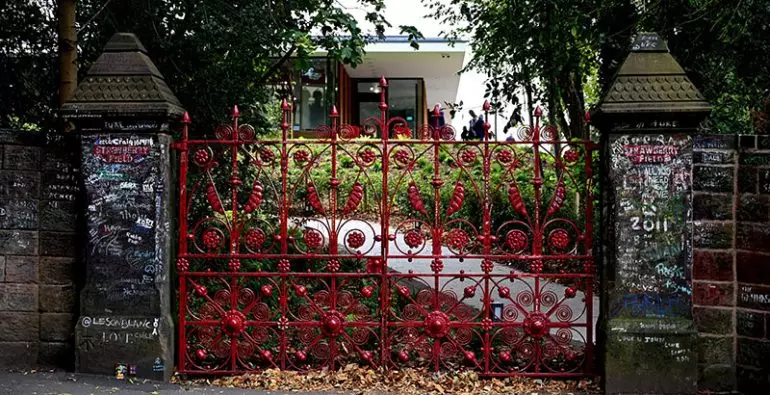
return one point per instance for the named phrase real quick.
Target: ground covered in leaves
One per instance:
(354, 379)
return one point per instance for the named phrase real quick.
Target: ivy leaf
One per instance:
(413, 35)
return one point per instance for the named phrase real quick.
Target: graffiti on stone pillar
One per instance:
(652, 207)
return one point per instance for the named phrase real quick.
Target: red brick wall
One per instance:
(731, 261)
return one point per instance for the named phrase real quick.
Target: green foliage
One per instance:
(722, 45)
(500, 178)
(544, 50)
(564, 53)
(28, 65)
(213, 53)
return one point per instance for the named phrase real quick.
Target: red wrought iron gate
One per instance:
(408, 251)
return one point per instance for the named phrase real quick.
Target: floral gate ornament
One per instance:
(387, 252)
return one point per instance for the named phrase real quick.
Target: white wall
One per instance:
(413, 12)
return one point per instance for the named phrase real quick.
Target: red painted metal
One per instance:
(425, 252)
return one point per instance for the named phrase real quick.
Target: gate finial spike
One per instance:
(588, 117)
(284, 104)
(436, 111)
(487, 106)
(538, 112)
(186, 118)
(335, 113)
(236, 112)
(383, 82)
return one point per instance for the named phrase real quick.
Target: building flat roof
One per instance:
(405, 39)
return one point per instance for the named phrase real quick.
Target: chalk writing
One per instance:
(755, 159)
(649, 225)
(714, 142)
(136, 126)
(757, 297)
(649, 153)
(18, 214)
(713, 157)
(127, 141)
(673, 348)
(652, 180)
(121, 323)
(122, 178)
(656, 326)
(648, 42)
(121, 153)
(127, 337)
(642, 305)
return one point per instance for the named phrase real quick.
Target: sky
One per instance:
(412, 12)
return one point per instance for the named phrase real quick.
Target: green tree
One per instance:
(214, 53)
(564, 53)
(544, 50)
(722, 44)
(28, 67)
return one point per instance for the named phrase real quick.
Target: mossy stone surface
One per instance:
(651, 356)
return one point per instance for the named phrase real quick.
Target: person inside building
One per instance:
(476, 125)
(466, 134)
(317, 110)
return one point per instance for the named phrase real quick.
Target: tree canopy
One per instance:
(213, 53)
(563, 53)
(557, 53)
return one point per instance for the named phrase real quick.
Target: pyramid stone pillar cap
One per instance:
(650, 81)
(123, 83)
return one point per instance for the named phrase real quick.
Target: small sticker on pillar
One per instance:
(120, 371)
(158, 366)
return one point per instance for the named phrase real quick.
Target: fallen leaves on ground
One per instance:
(353, 378)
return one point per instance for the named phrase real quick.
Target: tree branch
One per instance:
(277, 65)
(96, 14)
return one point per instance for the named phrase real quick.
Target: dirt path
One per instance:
(576, 306)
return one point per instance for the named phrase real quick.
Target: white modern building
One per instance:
(418, 79)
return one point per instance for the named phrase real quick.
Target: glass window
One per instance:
(369, 87)
(368, 93)
(311, 91)
(404, 99)
(403, 96)
(313, 106)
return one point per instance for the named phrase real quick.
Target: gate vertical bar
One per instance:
(234, 183)
(589, 267)
(333, 247)
(487, 232)
(385, 227)
(537, 239)
(436, 234)
(183, 241)
(284, 219)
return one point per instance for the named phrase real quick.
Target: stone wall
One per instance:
(38, 190)
(731, 261)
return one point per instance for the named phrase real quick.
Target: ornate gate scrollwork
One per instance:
(413, 250)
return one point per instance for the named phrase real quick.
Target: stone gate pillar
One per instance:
(122, 110)
(647, 119)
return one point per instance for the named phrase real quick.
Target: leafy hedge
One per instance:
(415, 166)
